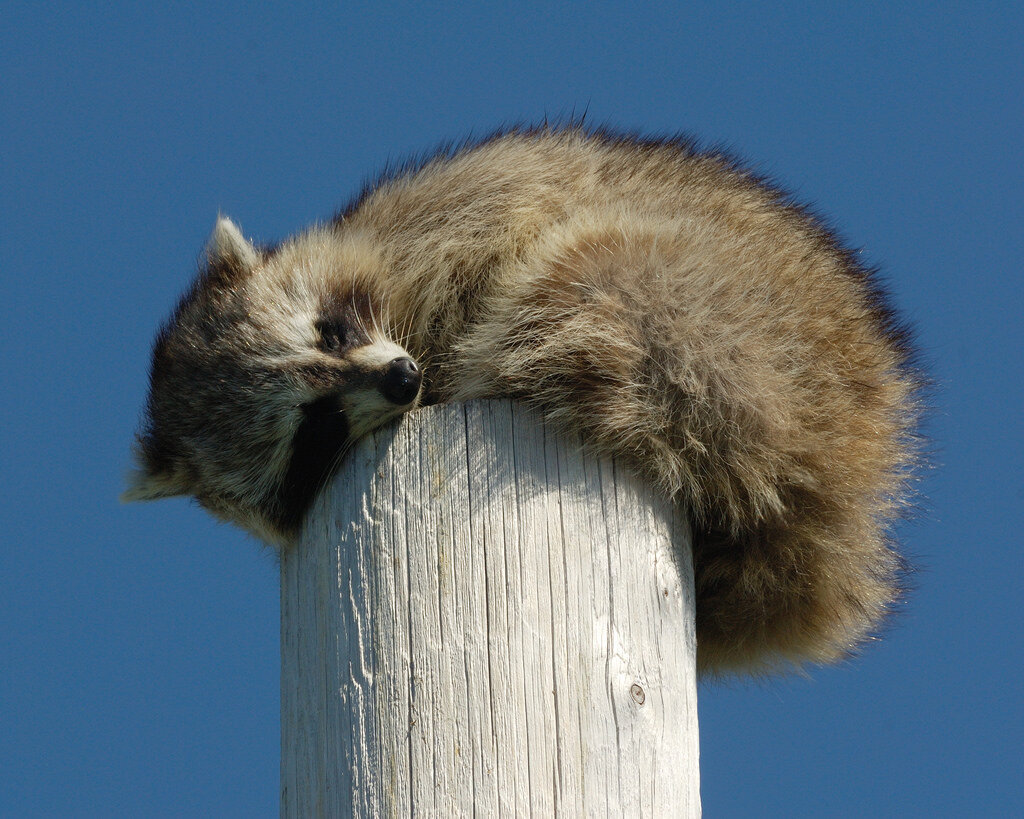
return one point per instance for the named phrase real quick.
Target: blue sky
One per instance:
(139, 650)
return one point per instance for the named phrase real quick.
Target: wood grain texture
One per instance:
(481, 618)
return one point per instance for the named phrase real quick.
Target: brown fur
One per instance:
(676, 310)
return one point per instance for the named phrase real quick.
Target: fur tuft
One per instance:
(143, 486)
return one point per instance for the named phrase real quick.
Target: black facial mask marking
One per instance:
(321, 436)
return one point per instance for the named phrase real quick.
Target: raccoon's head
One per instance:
(272, 364)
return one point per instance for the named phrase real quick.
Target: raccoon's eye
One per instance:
(334, 336)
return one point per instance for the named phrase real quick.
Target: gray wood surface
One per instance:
(482, 618)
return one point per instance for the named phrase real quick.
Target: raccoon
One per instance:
(678, 311)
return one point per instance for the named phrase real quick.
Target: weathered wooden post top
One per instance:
(481, 618)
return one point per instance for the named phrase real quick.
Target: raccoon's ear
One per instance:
(227, 246)
(144, 485)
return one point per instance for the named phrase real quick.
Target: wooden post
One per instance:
(482, 618)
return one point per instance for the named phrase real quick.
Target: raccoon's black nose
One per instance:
(401, 383)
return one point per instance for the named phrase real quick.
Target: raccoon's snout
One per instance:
(401, 382)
